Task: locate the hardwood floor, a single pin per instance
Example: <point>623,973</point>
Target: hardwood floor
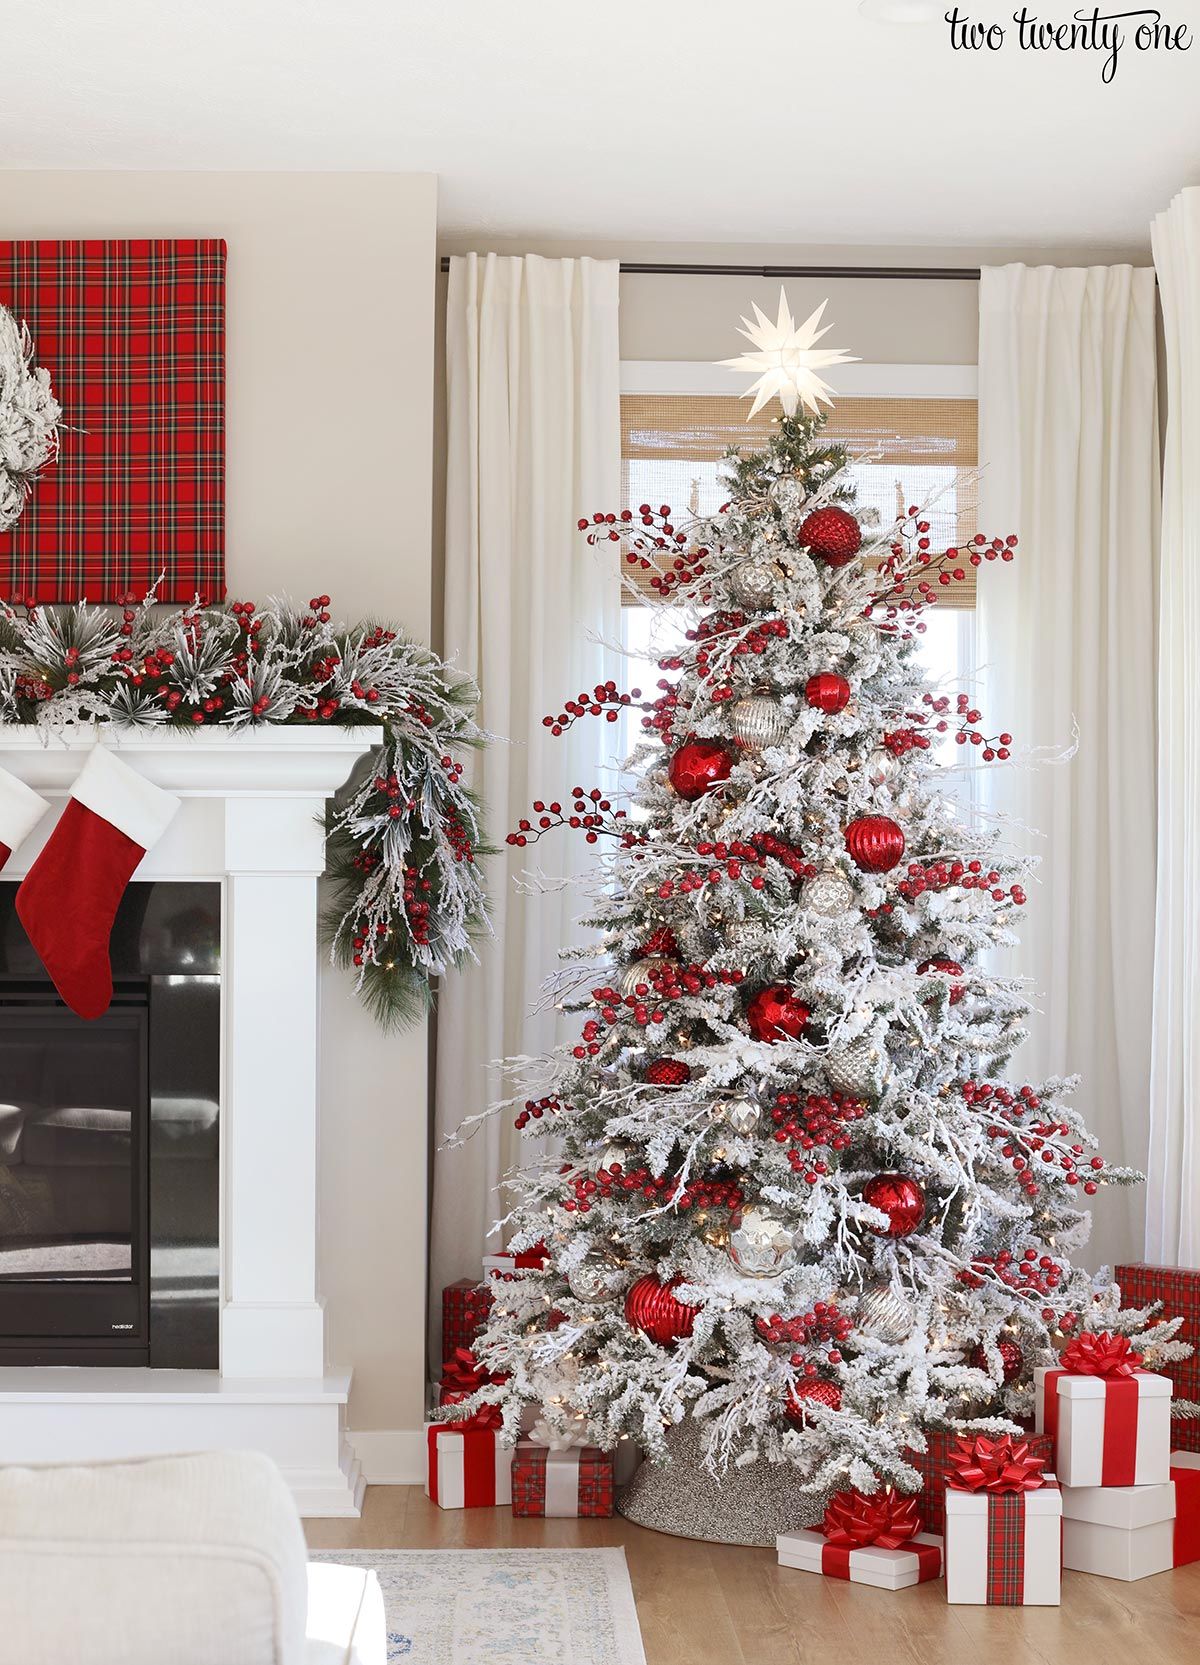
<point>708,1604</point>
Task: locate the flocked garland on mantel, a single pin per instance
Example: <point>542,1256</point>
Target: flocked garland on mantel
<point>402,839</point>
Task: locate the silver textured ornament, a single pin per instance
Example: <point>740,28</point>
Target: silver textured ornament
<point>613,1156</point>
<point>638,971</point>
<point>589,1282</point>
<point>881,766</point>
<point>739,1115</point>
<point>758,721</point>
<point>753,583</point>
<point>828,893</point>
<point>885,1313</point>
<point>760,1245</point>
<point>857,1069</point>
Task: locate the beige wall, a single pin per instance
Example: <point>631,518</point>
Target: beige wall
<point>330,374</point>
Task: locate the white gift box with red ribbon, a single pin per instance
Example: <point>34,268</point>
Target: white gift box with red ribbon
<point>915,1562</point>
<point>1108,1430</point>
<point>466,1467</point>
<point>1004,1549</point>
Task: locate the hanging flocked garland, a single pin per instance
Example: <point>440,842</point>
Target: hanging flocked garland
<point>29,419</point>
<point>404,836</point>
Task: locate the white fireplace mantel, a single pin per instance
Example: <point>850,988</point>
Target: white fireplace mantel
<point>251,817</point>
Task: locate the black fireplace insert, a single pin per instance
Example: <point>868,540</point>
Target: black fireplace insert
<point>110,1144</point>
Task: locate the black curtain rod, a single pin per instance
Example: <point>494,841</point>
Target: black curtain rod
<point>956,274</point>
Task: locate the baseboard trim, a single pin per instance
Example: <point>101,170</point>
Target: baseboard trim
<point>390,1456</point>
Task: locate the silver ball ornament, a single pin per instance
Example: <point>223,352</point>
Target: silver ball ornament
<point>828,893</point>
<point>881,766</point>
<point>753,583</point>
<point>589,1282</point>
<point>760,1244</point>
<point>613,1156</point>
<point>639,972</point>
<point>885,1313</point>
<point>857,1069</point>
<point>758,721</point>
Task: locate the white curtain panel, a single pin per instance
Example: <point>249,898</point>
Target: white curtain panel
<point>1173,1194</point>
<point>1069,447</point>
<point>533,414</point>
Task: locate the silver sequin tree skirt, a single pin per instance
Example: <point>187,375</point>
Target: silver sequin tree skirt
<point>743,1506</point>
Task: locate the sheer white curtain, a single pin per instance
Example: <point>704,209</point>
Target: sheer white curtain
<point>533,416</point>
<point>1069,443</point>
<point>1173,1194</point>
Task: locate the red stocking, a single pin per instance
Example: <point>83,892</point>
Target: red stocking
<point>20,811</point>
<point>70,899</point>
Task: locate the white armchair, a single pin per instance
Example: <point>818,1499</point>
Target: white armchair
<point>199,1560</point>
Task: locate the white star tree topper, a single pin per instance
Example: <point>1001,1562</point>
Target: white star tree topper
<point>787,360</point>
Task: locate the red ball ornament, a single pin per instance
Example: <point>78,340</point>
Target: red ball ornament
<point>698,766</point>
<point>832,535</point>
<point>1012,1359</point>
<point>948,968</point>
<point>827,691</point>
<point>775,1014</point>
<point>652,1308</point>
<point>900,1198</point>
<point>667,1072</point>
<point>811,1390</point>
<point>875,842</point>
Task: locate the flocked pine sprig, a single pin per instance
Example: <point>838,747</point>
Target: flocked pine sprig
<point>404,840</point>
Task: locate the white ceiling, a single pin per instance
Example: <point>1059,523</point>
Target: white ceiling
<point>748,121</point>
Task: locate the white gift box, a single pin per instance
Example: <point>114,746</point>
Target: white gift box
<point>467,1468</point>
<point>1092,1446</point>
<point>970,1581</point>
<point>887,1569</point>
<point>1123,1532</point>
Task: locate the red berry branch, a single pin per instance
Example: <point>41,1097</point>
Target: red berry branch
<point>591,813</point>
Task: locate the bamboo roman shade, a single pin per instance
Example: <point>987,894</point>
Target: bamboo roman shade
<point>906,451</point>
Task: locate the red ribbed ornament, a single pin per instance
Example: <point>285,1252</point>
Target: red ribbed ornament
<point>698,766</point>
<point>832,534</point>
<point>875,842</point>
<point>828,692</point>
<point>948,968</point>
<point>1012,1359</point>
<point>810,1390</point>
<point>652,1308</point>
<point>667,1072</point>
<point>775,1014</point>
<point>900,1198</point>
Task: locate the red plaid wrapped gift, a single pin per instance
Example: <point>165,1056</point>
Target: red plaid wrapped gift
<point>1003,1527</point>
<point>573,1482</point>
<point>133,335</point>
<point>465,1308</point>
<point>466,1466</point>
<point>1110,1420</point>
<point>933,1463</point>
<point>1178,1288</point>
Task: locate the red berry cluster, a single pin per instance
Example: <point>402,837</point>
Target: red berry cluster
<point>660,944</point>
<point>994,748</point>
<point>416,906</point>
<point>1023,1142</point>
<point>912,564</point>
<point>588,812</point>
<point>697,1193</point>
<point>823,1324</point>
<point>318,612</point>
<point>605,700</point>
<point>815,1122</point>
<point>388,786</point>
<point>662,712</point>
<point>755,640</point>
<point>646,550</point>
<point>456,835</point>
<point>535,1109</point>
<point>901,740</point>
<point>969,875</point>
<point>1035,1273</point>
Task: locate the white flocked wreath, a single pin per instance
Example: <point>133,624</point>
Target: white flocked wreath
<point>29,418</point>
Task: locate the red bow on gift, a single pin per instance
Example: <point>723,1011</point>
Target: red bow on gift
<point>999,1465</point>
<point>462,1372</point>
<point>856,1519</point>
<point>1102,1354</point>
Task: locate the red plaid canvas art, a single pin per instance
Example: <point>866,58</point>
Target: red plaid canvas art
<point>133,335</point>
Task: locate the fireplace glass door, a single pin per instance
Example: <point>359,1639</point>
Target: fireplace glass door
<point>73,1102</point>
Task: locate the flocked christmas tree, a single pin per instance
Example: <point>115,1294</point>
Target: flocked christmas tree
<point>788,1191</point>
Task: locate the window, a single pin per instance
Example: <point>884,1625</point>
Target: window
<point>917,447</point>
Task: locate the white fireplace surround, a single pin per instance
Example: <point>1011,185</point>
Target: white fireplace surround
<point>251,817</point>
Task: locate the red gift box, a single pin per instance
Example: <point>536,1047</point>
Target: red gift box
<point>1178,1288</point>
<point>1185,1473</point>
<point>465,1309</point>
<point>466,1466</point>
<point>577,1482</point>
<point>933,1463</point>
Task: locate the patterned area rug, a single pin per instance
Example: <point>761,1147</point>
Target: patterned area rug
<point>504,1606</point>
